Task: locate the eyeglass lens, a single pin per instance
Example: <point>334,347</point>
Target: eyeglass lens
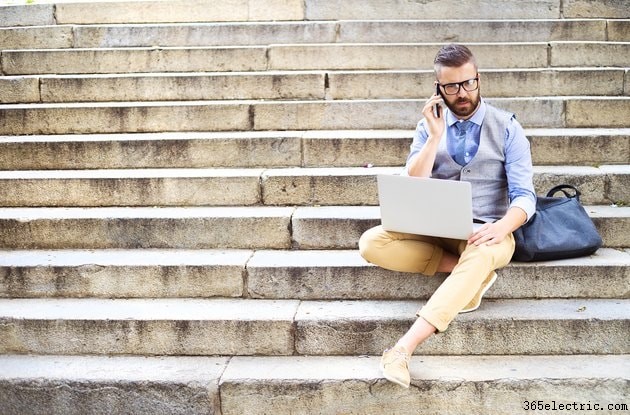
<point>468,85</point>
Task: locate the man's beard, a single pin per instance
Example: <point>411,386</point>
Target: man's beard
<point>464,113</point>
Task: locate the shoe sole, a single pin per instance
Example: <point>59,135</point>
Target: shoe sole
<point>483,292</point>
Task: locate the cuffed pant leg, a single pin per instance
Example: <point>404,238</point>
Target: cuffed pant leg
<point>475,264</point>
<point>401,251</point>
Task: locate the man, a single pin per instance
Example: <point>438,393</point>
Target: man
<point>473,141</point>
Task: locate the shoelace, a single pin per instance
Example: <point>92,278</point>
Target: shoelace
<point>399,353</point>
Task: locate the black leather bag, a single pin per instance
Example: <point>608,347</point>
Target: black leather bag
<point>561,228</point>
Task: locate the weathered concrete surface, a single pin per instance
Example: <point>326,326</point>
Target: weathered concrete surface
<point>462,31</point>
<point>97,118</point>
<point>523,327</point>
<point>132,228</point>
<point>151,150</point>
<point>147,326</point>
<point>345,275</point>
<point>123,273</point>
<point>204,116</point>
<point>607,8</point>
<point>444,385</point>
<point>180,11</point>
<point>342,226</point>
<point>37,37</point>
<point>589,53</point>
<point>138,187</point>
<point>134,60</point>
<point>355,148</point>
<point>209,34</point>
<point>338,148</point>
<point>332,226</point>
<point>328,186</point>
<point>590,112</point>
<point>401,56</point>
<point>14,89</point>
<point>400,9</point>
<point>27,15</point>
<point>579,146</point>
<point>618,30</point>
<point>92,384</point>
<point>497,83</point>
<point>184,87</point>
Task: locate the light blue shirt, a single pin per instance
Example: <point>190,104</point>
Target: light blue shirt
<point>518,160</point>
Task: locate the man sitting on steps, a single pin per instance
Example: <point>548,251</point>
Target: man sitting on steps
<point>473,141</point>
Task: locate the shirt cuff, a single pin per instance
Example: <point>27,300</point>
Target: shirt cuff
<point>528,205</point>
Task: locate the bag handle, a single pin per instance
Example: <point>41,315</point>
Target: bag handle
<point>563,188</point>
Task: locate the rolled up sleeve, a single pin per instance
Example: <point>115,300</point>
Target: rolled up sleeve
<point>519,170</point>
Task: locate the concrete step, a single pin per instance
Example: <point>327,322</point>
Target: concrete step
<point>312,85</point>
<point>336,148</point>
<point>155,150</point>
<point>246,187</point>
<point>176,11</point>
<point>251,10</point>
<point>126,117</point>
<point>123,273</point>
<point>270,85</point>
<point>78,385</point>
<point>147,326</point>
<point>399,9</point>
<point>331,275</point>
<point>130,228</point>
<point>340,227</point>
<point>324,227</point>
<point>306,57</point>
<point>316,384</point>
<point>557,327</point>
<point>287,327</point>
<point>137,187</point>
<point>283,274</point>
<point>475,385</point>
<point>286,32</point>
<point>357,186</point>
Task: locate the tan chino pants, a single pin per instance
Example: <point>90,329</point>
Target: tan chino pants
<point>422,254</point>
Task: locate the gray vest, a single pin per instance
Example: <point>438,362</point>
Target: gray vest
<point>486,171</point>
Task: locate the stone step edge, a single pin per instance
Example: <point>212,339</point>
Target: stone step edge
<point>226,309</point>
<point>63,11</point>
<point>306,134</point>
<point>262,173</point>
<point>254,102</point>
<point>292,327</point>
<point>292,186</point>
<point>302,212</point>
<point>308,368</point>
<point>244,258</point>
<point>280,274</point>
<point>283,385</point>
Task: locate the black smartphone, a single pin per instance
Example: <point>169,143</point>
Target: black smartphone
<point>437,108</point>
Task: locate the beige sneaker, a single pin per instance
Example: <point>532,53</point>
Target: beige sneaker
<point>395,366</point>
<point>476,301</point>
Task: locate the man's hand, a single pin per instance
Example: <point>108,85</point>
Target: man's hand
<point>490,234</point>
<point>435,126</point>
<point>495,233</point>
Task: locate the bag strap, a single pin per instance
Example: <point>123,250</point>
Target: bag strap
<point>563,188</point>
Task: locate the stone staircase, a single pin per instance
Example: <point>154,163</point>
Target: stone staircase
<point>184,184</point>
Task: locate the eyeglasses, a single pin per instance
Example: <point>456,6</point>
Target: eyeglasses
<point>468,85</point>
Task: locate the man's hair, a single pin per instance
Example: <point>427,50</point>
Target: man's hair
<point>453,56</point>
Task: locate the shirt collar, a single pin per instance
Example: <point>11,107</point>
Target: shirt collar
<point>477,117</point>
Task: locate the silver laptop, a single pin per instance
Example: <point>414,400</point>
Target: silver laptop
<point>423,206</point>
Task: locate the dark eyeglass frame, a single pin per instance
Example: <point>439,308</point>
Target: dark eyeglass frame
<point>460,85</point>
